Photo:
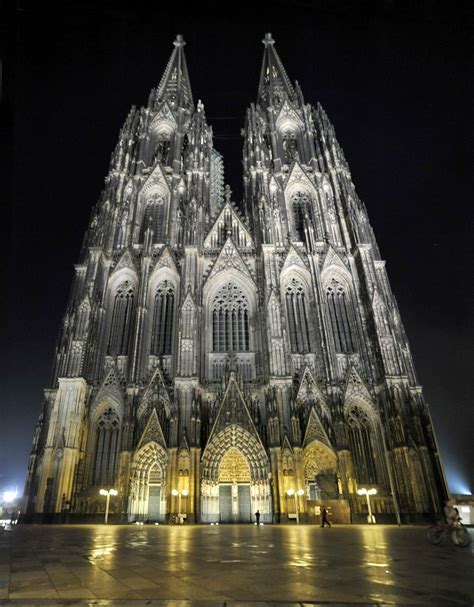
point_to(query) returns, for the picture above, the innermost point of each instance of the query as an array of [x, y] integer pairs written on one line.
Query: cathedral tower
[[212, 363]]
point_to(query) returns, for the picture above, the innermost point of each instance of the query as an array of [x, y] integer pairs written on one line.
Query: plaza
[[216, 565]]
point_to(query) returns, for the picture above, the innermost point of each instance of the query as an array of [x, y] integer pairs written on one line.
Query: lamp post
[[368, 493], [107, 493], [296, 494], [177, 493]]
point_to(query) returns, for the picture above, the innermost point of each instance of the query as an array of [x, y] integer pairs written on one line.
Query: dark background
[[394, 78]]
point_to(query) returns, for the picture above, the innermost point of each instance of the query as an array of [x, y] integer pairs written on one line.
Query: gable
[[315, 431], [288, 117], [298, 178], [356, 388], [155, 395], [152, 432], [332, 259], [125, 262], [293, 259], [156, 178], [230, 258], [228, 224], [233, 411], [110, 389], [309, 393]]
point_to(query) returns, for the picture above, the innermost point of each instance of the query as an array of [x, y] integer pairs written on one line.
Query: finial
[[268, 39], [227, 193], [179, 40]]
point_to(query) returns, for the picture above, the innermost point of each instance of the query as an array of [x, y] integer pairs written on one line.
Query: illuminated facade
[[217, 361]]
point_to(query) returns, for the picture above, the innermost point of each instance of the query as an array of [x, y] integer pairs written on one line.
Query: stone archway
[[235, 478], [320, 471], [148, 490]]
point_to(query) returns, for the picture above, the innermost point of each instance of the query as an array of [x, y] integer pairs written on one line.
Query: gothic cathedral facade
[[216, 360]]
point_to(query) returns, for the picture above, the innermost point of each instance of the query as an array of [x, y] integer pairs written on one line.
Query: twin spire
[[274, 83], [175, 84], [273, 87]]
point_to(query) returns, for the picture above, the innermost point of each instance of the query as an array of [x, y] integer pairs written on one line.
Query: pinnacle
[[179, 40], [268, 39]]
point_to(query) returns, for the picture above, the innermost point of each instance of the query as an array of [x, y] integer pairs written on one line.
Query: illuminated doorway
[[234, 488]]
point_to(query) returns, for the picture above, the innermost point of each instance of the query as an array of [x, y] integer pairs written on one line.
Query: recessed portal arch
[[148, 490], [320, 471], [235, 471]]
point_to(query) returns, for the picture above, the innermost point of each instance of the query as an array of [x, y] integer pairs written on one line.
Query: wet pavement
[[231, 565]]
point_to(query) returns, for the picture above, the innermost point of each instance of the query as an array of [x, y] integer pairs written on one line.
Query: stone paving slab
[[231, 566]]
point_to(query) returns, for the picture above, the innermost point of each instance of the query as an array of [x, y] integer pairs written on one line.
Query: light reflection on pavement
[[207, 566]]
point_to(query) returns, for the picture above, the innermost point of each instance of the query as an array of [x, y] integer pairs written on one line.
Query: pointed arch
[[340, 309], [363, 440], [230, 319], [163, 319], [106, 426], [154, 217], [320, 470], [230, 302], [235, 436], [123, 306], [163, 289], [148, 469], [295, 294]]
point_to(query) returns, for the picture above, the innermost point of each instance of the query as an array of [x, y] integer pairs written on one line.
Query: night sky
[[393, 78]]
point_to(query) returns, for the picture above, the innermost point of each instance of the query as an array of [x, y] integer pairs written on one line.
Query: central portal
[[234, 488]]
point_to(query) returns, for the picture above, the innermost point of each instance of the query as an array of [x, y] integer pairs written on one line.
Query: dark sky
[[394, 78]]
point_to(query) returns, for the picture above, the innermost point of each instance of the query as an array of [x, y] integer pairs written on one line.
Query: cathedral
[[217, 358]]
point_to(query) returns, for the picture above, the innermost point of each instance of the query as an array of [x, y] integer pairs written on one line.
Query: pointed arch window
[[106, 437], [163, 317], [154, 218], [302, 215], [290, 145], [362, 442], [163, 148], [338, 305], [122, 317], [230, 320], [297, 313]]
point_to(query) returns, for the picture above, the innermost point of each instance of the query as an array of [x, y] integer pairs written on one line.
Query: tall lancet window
[[122, 318], [290, 145], [338, 305], [230, 320], [362, 443], [106, 436], [163, 148], [302, 216], [154, 218], [163, 316], [297, 313]]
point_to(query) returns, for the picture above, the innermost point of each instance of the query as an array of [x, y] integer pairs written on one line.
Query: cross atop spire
[[268, 39], [274, 84], [175, 85]]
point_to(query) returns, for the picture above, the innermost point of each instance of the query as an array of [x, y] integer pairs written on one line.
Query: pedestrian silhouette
[[257, 517], [324, 517]]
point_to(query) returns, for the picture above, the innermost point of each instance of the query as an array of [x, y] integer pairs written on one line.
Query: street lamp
[[368, 493], [296, 494], [183, 493], [107, 493]]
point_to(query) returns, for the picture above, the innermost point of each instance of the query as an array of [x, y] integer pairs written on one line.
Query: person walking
[[324, 517], [257, 517]]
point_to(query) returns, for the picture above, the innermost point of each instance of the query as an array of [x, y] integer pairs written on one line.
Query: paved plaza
[[231, 565]]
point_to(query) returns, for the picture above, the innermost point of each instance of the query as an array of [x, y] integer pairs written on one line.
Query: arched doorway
[[234, 488], [148, 484], [235, 478], [320, 470]]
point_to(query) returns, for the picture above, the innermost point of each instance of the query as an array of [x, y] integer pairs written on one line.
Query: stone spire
[[274, 83], [174, 84]]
